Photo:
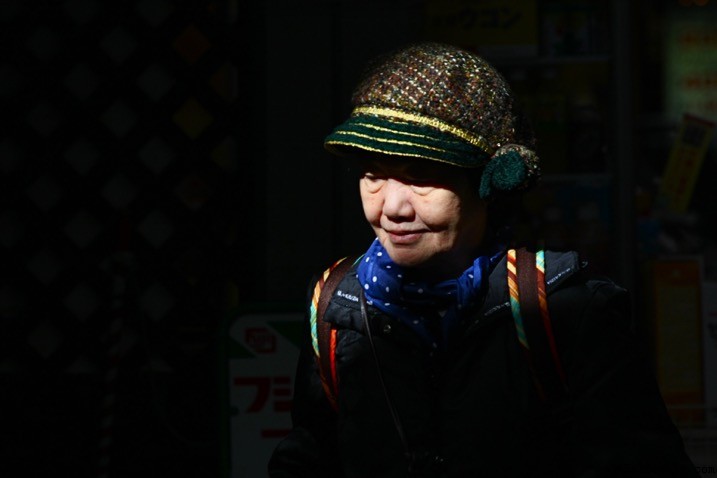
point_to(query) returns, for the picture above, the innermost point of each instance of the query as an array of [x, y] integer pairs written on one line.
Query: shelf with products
[[571, 212], [548, 61], [674, 164], [567, 100], [566, 103], [532, 28]]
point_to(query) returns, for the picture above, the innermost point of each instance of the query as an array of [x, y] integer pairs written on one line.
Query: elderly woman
[[432, 368]]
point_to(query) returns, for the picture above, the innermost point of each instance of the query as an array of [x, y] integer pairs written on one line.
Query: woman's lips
[[404, 237]]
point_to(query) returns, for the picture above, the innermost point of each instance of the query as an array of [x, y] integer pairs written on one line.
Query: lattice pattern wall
[[120, 227]]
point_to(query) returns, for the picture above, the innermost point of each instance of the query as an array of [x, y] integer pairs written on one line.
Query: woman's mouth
[[404, 238]]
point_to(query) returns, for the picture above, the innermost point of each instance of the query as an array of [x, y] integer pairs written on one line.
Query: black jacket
[[474, 411]]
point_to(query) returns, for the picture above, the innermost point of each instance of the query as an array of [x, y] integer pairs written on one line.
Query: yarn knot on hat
[[512, 167]]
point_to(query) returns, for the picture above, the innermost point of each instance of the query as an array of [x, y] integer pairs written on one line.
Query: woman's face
[[427, 215]]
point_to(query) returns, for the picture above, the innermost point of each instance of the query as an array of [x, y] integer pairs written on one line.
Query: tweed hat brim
[[397, 133]]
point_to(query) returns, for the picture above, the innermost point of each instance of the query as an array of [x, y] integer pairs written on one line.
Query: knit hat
[[441, 103]]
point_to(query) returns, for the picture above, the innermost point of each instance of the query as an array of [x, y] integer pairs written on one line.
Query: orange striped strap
[[323, 334], [529, 305]]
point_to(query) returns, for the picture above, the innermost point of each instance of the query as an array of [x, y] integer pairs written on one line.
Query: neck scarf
[[432, 310]]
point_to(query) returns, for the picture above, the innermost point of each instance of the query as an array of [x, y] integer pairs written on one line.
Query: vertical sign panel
[[262, 353], [691, 63]]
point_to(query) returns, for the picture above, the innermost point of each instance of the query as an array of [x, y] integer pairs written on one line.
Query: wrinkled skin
[[426, 214]]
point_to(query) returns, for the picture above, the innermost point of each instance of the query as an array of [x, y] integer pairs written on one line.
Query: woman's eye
[[421, 182], [373, 182], [373, 177], [418, 181], [422, 188]]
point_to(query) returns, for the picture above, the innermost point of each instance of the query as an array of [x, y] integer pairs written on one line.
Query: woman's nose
[[397, 200]]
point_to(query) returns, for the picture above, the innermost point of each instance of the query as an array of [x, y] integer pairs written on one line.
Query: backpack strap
[[323, 335], [529, 305]]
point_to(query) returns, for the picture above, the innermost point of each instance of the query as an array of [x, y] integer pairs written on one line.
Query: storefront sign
[[262, 354]]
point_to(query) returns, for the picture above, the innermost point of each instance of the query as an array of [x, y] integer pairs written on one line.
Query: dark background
[[162, 165]]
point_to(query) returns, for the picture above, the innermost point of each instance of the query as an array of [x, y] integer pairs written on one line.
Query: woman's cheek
[[439, 212], [371, 208]]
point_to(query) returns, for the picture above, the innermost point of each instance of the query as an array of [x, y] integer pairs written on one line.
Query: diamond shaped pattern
[[45, 193], [154, 12], [44, 119], [43, 43], [191, 44], [45, 265], [45, 338], [156, 228], [192, 118], [225, 155], [156, 302], [112, 156], [81, 11], [83, 365], [119, 191], [193, 192], [82, 155], [82, 301], [82, 229], [119, 44], [81, 81], [156, 155], [119, 118], [155, 81]]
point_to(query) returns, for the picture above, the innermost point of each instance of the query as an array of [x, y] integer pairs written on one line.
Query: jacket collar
[[344, 309]]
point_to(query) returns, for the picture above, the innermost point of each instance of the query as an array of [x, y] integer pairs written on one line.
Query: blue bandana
[[432, 310]]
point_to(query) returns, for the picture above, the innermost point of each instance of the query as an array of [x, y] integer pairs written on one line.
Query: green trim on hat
[[393, 137]]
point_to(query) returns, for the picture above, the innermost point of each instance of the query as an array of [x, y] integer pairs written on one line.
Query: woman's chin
[[434, 267], [405, 257]]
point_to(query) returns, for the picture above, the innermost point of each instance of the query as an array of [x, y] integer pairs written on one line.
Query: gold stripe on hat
[[392, 141], [389, 130], [389, 151], [471, 138]]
